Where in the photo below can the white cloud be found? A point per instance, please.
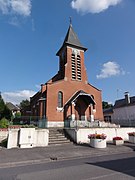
(18, 7)
(14, 21)
(4, 6)
(17, 96)
(21, 7)
(93, 6)
(110, 69)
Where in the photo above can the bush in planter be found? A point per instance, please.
(131, 134)
(118, 140)
(97, 136)
(131, 137)
(97, 140)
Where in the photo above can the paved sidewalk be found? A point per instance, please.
(19, 157)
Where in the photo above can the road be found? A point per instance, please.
(107, 167)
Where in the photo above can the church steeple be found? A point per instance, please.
(72, 40)
(71, 58)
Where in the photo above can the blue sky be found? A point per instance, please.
(31, 32)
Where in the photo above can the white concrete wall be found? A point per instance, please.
(82, 133)
(41, 138)
(72, 133)
(3, 134)
(12, 138)
(28, 138)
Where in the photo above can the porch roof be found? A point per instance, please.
(87, 98)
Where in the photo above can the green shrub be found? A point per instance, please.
(28, 126)
(4, 123)
(18, 115)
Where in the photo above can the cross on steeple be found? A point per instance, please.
(70, 20)
(71, 39)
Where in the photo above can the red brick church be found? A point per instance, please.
(68, 95)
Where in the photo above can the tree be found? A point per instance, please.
(4, 110)
(2, 106)
(24, 104)
(18, 115)
(7, 113)
(106, 105)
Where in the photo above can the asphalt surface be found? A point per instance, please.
(20, 157)
(105, 167)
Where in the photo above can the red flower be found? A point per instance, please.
(117, 138)
(131, 134)
(97, 136)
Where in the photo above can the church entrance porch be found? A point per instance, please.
(80, 108)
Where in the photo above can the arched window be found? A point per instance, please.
(73, 62)
(78, 67)
(60, 99)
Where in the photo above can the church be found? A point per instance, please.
(68, 95)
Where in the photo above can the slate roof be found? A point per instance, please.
(122, 102)
(72, 39)
(87, 97)
(38, 94)
(12, 107)
(108, 110)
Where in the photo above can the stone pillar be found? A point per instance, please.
(41, 109)
(73, 111)
(91, 113)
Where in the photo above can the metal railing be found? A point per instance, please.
(124, 122)
(89, 124)
(31, 120)
(81, 124)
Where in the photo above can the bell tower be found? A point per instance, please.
(71, 58)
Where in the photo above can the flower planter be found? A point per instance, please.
(118, 142)
(132, 139)
(98, 143)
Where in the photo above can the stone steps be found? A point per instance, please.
(57, 137)
(59, 142)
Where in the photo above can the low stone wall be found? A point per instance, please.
(55, 124)
(81, 135)
(41, 138)
(27, 138)
(12, 141)
(87, 124)
(3, 134)
(72, 133)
